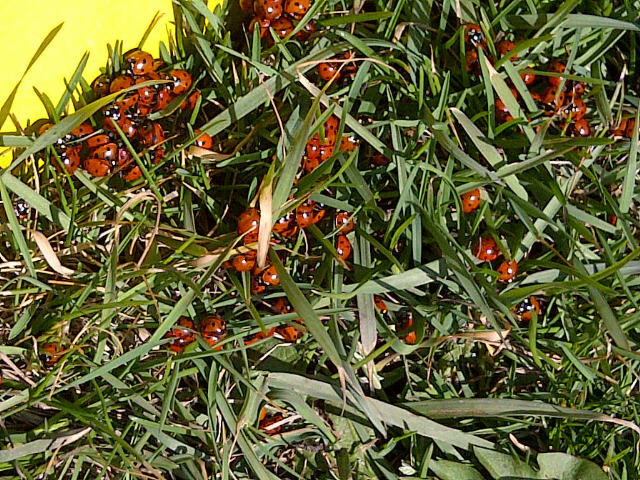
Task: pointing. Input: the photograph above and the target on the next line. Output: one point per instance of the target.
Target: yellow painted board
(88, 26)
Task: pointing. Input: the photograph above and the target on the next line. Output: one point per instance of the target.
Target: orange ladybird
(526, 308)
(212, 329)
(507, 271)
(471, 200)
(558, 68)
(51, 353)
(182, 335)
(343, 247)
(486, 249)
(344, 222)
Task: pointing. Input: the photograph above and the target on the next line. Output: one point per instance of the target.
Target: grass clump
(379, 243)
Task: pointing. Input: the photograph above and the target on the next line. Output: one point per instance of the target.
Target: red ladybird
(213, 329)
(191, 101)
(305, 32)
(163, 99)
(140, 63)
(97, 141)
(267, 424)
(558, 68)
(268, 9)
(526, 308)
(631, 127)
(326, 151)
(70, 158)
(502, 112)
(486, 249)
(331, 126)
(124, 158)
(107, 152)
(506, 46)
(471, 61)
(204, 140)
(297, 8)
(471, 200)
(97, 167)
(100, 86)
(146, 95)
(309, 164)
(474, 35)
(344, 222)
(182, 334)
(260, 336)
(286, 225)
(181, 81)
(553, 98)
(282, 26)
(529, 78)
(132, 174)
(244, 262)
(51, 353)
(410, 337)
(120, 83)
(269, 276)
(349, 144)
(507, 271)
(576, 110)
(82, 130)
(343, 247)
(152, 134)
(380, 305)
(262, 23)
(305, 214)
(582, 128)
(313, 148)
(327, 71)
(249, 220)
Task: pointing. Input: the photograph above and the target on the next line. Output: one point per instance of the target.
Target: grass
(107, 268)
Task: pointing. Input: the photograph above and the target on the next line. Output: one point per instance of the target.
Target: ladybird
(527, 307)
(474, 35)
(380, 305)
(282, 306)
(328, 71)
(507, 271)
(262, 23)
(284, 225)
(120, 83)
(290, 333)
(100, 86)
(313, 148)
(204, 140)
(163, 99)
(248, 220)
(181, 81)
(244, 262)
(50, 354)
(191, 101)
(282, 26)
(152, 134)
(213, 329)
(349, 69)
(471, 200)
(556, 67)
(124, 158)
(257, 287)
(146, 95)
(260, 336)
(306, 31)
(343, 247)
(410, 336)
(140, 63)
(578, 88)
(506, 46)
(486, 249)
(97, 141)
(182, 334)
(156, 155)
(326, 151)
(305, 214)
(549, 99)
(269, 276)
(297, 8)
(613, 220)
(269, 424)
(126, 125)
(529, 78)
(82, 130)
(98, 167)
(349, 144)
(268, 9)
(21, 209)
(331, 126)
(502, 113)
(107, 152)
(319, 211)
(128, 102)
(631, 127)
(471, 62)
(576, 110)
(582, 128)
(344, 222)
(70, 158)
(132, 174)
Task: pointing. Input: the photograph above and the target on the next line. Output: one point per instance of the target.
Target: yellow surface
(88, 26)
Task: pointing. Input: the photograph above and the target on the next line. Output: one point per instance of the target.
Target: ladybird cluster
(338, 68)
(102, 150)
(320, 149)
(555, 97)
(625, 129)
(211, 328)
(486, 250)
(279, 15)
